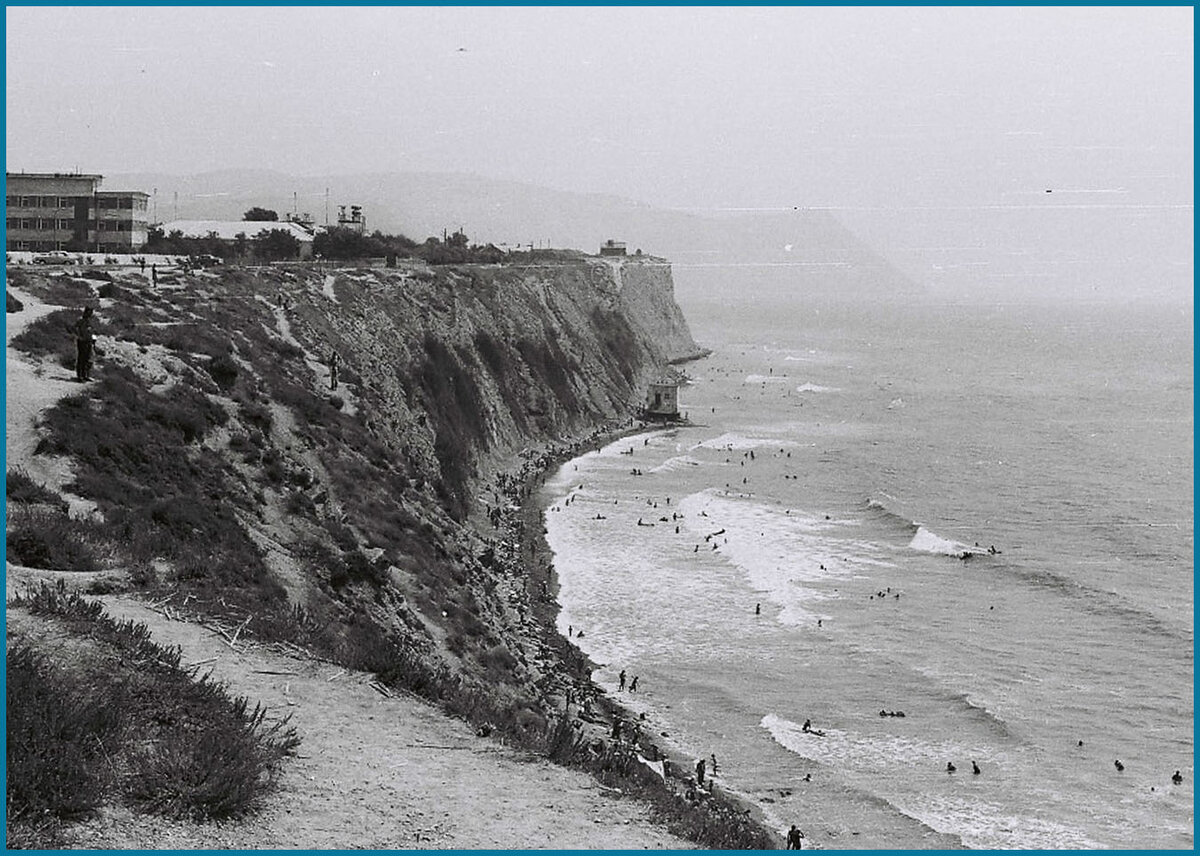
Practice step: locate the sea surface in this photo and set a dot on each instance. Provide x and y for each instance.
(980, 516)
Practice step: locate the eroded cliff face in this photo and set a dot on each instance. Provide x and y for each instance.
(447, 373)
(370, 522)
(463, 366)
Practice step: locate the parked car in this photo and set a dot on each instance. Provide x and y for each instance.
(54, 257)
(206, 260)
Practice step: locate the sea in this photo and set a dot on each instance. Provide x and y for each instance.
(940, 533)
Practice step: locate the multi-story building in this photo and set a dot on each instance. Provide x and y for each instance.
(68, 211)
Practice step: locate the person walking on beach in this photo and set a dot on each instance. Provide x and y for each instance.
(84, 341)
(621, 678)
(633, 684)
(154, 276)
(793, 838)
(700, 772)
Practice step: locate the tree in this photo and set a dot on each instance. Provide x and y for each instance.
(276, 244)
(261, 214)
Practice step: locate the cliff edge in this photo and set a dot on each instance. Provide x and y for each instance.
(335, 460)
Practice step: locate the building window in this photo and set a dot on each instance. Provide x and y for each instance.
(64, 224)
(26, 223)
(66, 202)
(13, 201)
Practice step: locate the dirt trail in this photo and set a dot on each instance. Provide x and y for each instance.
(30, 387)
(371, 771)
(378, 772)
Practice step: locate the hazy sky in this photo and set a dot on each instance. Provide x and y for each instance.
(674, 106)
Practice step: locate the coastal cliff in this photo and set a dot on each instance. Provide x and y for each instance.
(373, 520)
(462, 366)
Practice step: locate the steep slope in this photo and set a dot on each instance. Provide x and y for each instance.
(363, 520)
(383, 524)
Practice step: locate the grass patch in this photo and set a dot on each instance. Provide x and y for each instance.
(121, 720)
(51, 336)
(20, 488)
(50, 540)
(60, 736)
(163, 495)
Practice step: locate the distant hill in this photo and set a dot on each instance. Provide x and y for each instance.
(770, 251)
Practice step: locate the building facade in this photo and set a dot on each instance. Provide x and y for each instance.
(612, 248)
(662, 399)
(68, 211)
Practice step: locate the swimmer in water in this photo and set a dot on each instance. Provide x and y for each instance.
(1177, 779)
(975, 768)
(950, 768)
(1120, 767)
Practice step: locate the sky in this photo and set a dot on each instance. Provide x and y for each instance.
(698, 108)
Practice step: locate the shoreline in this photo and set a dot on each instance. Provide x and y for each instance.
(536, 557)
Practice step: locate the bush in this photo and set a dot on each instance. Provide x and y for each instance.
(184, 747)
(20, 488)
(218, 773)
(59, 736)
(50, 540)
(224, 371)
(12, 303)
(53, 335)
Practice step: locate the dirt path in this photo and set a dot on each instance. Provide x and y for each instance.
(371, 771)
(375, 772)
(30, 387)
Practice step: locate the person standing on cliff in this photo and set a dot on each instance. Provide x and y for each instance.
(84, 340)
(621, 678)
(334, 359)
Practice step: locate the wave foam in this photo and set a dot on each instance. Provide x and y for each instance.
(930, 542)
(739, 442)
(813, 387)
(677, 463)
(758, 378)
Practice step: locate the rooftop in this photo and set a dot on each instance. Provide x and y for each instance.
(228, 230)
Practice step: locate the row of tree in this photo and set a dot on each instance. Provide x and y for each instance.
(348, 244)
(337, 244)
(265, 244)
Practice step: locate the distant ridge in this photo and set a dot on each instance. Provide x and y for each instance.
(802, 248)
